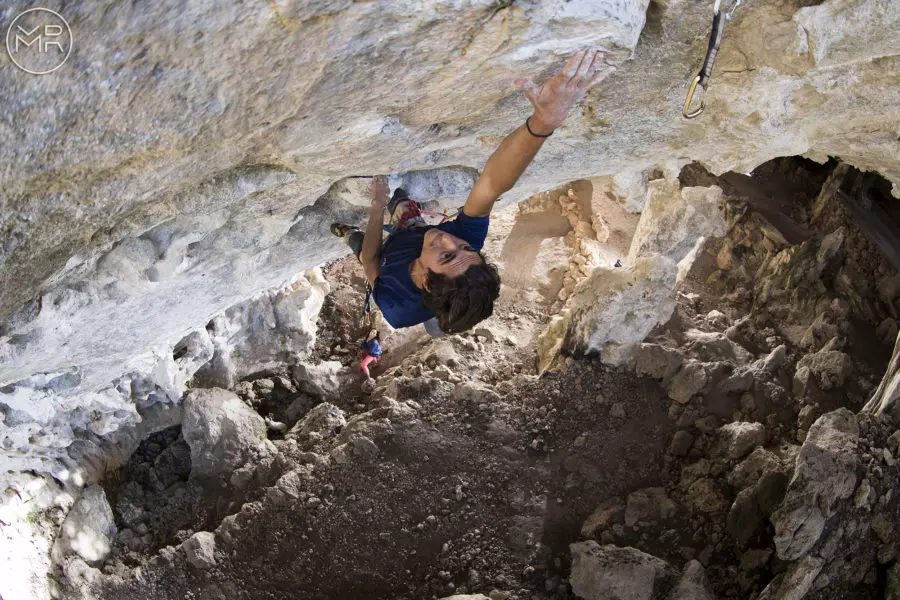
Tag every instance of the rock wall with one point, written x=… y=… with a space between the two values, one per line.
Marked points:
x=180 y=162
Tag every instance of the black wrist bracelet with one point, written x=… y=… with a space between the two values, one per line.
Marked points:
x=528 y=127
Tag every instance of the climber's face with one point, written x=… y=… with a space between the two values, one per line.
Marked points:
x=447 y=254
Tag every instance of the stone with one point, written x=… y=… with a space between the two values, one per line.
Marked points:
x=824 y=473
x=887 y=331
x=738 y=439
x=475 y=393
x=693 y=584
x=864 y=495
x=704 y=496
x=650 y=504
x=753 y=505
x=659 y=362
x=830 y=368
x=607 y=512
x=681 y=443
x=221 y=430
x=614 y=573
x=796 y=582
x=172 y=464
x=751 y=560
x=883 y=527
x=715 y=346
x=485 y=332
x=89 y=529
x=322 y=380
x=200 y=550
x=892 y=583
x=687 y=382
x=675 y=219
x=749 y=470
x=467 y=597
x=322 y=421
x=893 y=443
x=775 y=360
x=611 y=312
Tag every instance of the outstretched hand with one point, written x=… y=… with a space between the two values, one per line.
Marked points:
x=380 y=191
x=554 y=99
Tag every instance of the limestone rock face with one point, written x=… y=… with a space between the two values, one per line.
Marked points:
x=150 y=184
x=221 y=430
x=266 y=331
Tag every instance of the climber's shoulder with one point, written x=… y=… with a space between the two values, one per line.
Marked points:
x=472 y=229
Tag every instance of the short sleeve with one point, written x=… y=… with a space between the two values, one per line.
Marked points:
x=472 y=229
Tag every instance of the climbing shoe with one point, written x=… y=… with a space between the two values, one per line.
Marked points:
x=399 y=196
x=342 y=230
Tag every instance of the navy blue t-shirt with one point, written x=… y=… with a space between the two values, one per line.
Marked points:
x=395 y=294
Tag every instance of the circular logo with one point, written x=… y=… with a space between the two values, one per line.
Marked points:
x=39 y=41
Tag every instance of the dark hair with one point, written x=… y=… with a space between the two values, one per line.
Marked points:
x=461 y=302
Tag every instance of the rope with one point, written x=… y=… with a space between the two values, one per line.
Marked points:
x=413 y=211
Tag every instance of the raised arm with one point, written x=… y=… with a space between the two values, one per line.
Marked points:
x=552 y=102
x=370 y=255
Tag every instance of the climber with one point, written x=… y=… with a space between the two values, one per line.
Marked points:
x=370 y=351
x=437 y=275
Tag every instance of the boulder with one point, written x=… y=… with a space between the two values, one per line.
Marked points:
x=795 y=582
x=613 y=573
x=659 y=362
x=322 y=379
x=613 y=310
x=687 y=382
x=200 y=550
x=693 y=584
x=681 y=443
x=824 y=474
x=650 y=504
x=830 y=368
x=749 y=470
x=715 y=346
x=892 y=583
x=89 y=529
x=606 y=513
x=738 y=439
x=753 y=505
x=221 y=430
x=675 y=219
x=703 y=495
x=323 y=421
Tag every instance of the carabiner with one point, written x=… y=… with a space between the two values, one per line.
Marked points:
x=690 y=98
x=712 y=51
